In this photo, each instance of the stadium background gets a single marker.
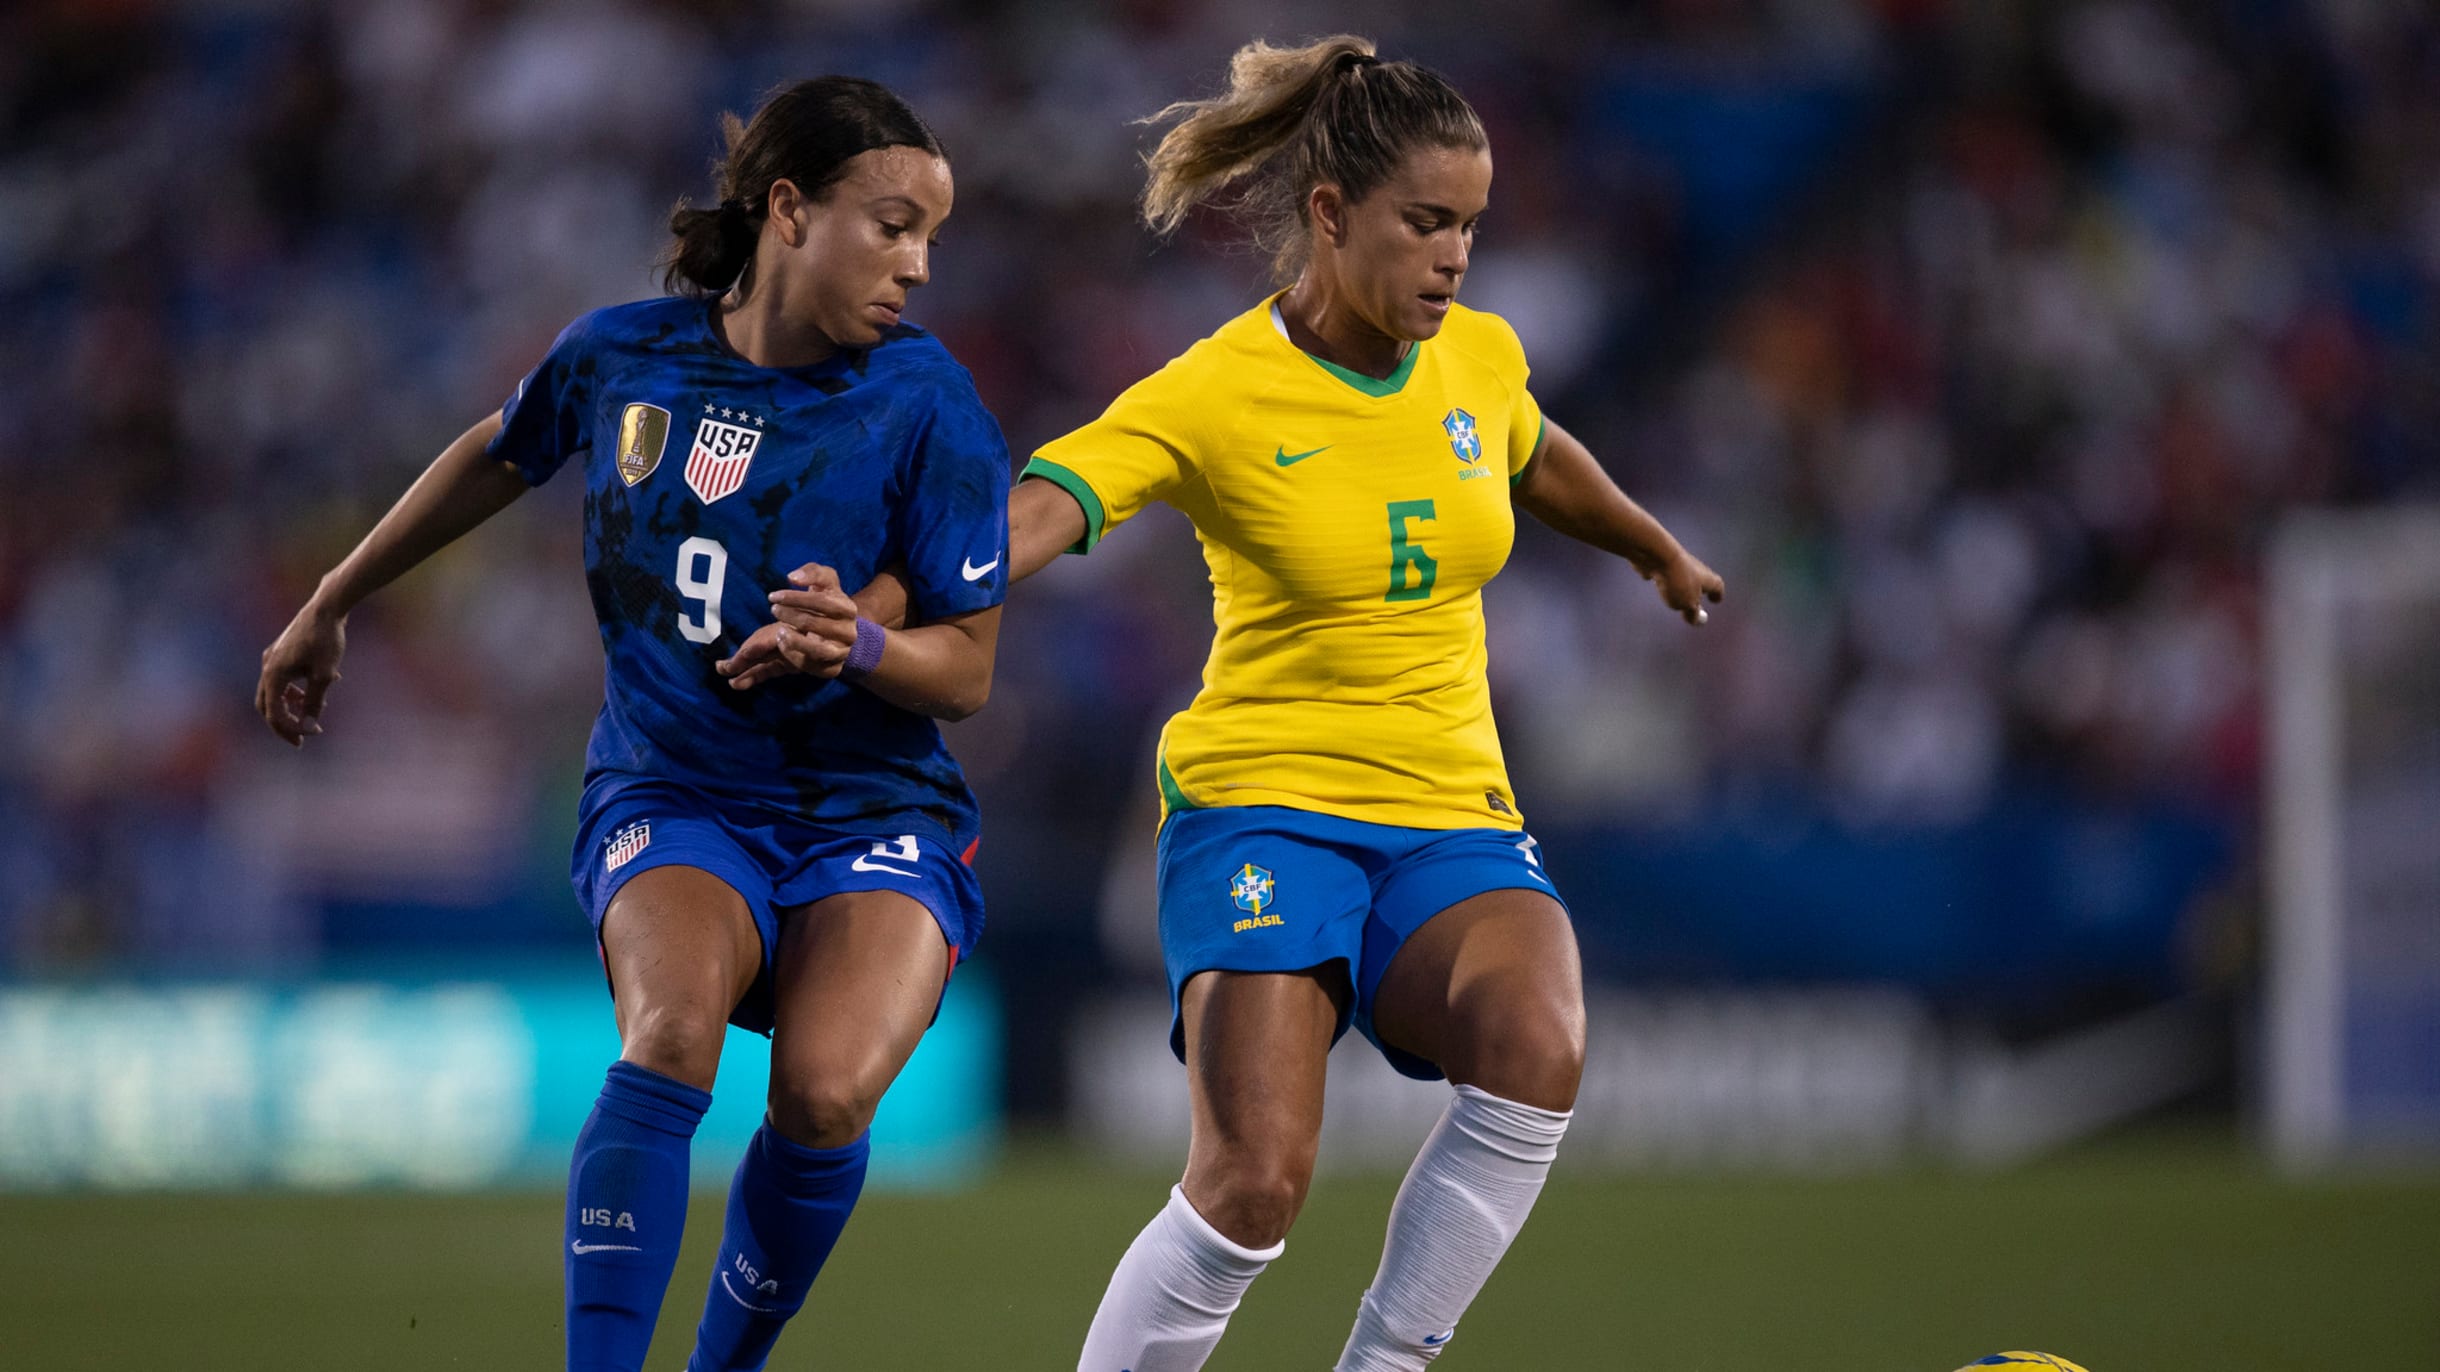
(1983, 347)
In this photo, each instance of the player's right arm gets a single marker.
(1043, 522)
(463, 487)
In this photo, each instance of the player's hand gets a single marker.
(756, 661)
(1685, 583)
(299, 668)
(814, 627)
(817, 621)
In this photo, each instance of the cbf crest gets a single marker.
(1463, 440)
(725, 440)
(1252, 889)
(643, 431)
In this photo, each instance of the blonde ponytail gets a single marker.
(1229, 137)
(1291, 119)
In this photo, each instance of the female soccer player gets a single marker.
(1338, 842)
(792, 860)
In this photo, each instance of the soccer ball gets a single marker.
(2034, 1361)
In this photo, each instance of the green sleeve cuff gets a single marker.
(1076, 486)
(1541, 430)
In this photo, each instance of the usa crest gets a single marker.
(643, 431)
(1463, 440)
(625, 844)
(724, 448)
(1252, 889)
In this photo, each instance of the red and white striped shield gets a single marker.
(723, 451)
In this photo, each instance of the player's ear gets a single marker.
(1327, 208)
(791, 212)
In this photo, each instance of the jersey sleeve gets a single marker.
(1142, 449)
(548, 420)
(1525, 422)
(952, 523)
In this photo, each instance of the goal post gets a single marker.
(2351, 811)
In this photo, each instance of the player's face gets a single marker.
(1405, 246)
(868, 243)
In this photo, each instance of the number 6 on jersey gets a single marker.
(703, 587)
(1404, 553)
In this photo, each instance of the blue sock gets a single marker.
(786, 1208)
(626, 1213)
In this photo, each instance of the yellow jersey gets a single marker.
(1350, 524)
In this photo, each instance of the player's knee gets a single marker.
(1252, 1199)
(823, 1109)
(1525, 1048)
(680, 1043)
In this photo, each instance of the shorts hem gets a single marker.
(964, 949)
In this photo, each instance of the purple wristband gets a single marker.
(866, 655)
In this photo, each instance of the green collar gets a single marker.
(1369, 385)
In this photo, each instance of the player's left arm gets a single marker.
(1043, 522)
(1565, 487)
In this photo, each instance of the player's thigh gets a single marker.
(1492, 991)
(681, 949)
(856, 980)
(1257, 1052)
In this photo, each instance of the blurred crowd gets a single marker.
(1979, 347)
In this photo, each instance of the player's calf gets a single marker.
(1462, 1204)
(787, 1206)
(626, 1212)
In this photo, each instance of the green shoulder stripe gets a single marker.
(1076, 486)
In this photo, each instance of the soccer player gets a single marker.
(794, 860)
(1339, 843)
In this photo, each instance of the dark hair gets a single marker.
(805, 132)
(1291, 119)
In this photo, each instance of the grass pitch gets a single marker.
(2135, 1258)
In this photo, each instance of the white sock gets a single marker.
(1461, 1206)
(1170, 1299)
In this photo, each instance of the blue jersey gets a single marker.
(707, 481)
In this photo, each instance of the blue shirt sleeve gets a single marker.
(952, 525)
(548, 420)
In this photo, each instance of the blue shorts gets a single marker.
(1263, 888)
(628, 824)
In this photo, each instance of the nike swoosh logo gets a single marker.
(758, 1309)
(868, 865)
(1435, 1340)
(1284, 458)
(580, 1247)
(973, 573)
